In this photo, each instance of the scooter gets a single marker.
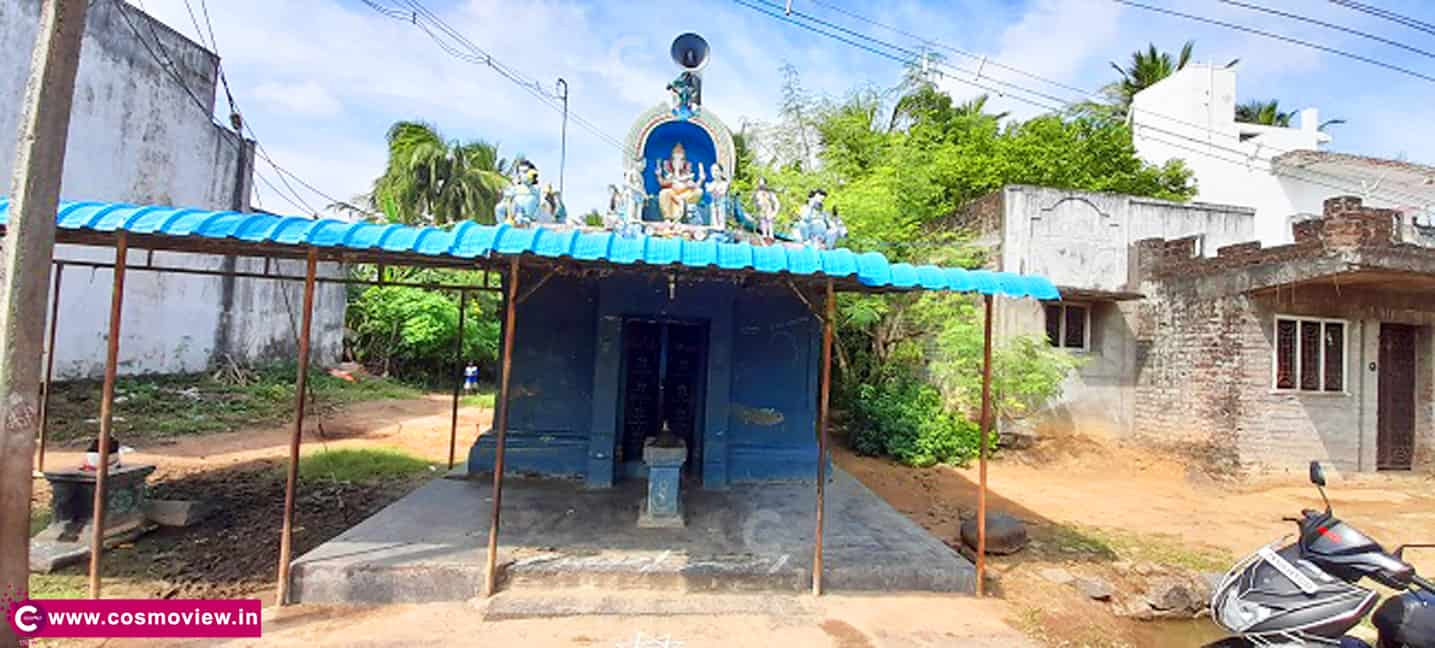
(1306, 593)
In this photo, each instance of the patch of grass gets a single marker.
(59, 586)
(361, 465)
(484, 397)
(156, 407)
(39, 519)
(1159, 548)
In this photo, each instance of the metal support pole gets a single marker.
(44, 122)
(458, 368)
(563, 137)
(301, 387)
(500, 427)
(48, 386)
(827, 324)
(982, 452)
(107, 414)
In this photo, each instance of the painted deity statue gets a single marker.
(686, 92)
(551, 209)
(522, 199)
(625, 205)
(720, 200)
(768, 207)
(681, 188)
(816, 227)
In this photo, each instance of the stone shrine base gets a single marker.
(431, 545)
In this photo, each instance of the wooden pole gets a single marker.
(48, 387)
(301, 386)
(500, 427)
(107, 414)
(458, 370)
(986, 429)
(34, 189)
(826, 387)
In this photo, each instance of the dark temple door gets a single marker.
(1395, 417)
(664, 367)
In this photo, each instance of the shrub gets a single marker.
(904, 418)
(410, 332)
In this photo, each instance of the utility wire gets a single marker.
(778, 12)
(1418, 25)
(466, 50)
(166, 62)
(1288, 39)
(1340, 28)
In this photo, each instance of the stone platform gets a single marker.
(431, 545)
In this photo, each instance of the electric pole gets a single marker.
(563, 136)
(29, 248)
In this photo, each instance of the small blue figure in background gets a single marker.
(470, 378)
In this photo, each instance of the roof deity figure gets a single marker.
(521, 200)
(768, 205)
(720, 200)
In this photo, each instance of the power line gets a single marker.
(1407, 21)
(421, 17)
(166, 62)
(1341, 28)
(1280, 37)
(781, 15)
(982, 59)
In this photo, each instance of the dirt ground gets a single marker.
(241, 473)
(1090, 504)
(1094, 504)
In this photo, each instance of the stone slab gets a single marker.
(176, 513)
(430, 545)
(48, 555)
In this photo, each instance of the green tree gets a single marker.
(432, 180)
(907, 362)
(1267, 113)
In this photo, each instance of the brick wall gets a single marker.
(1205, 339)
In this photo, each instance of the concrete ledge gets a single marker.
(431, 545)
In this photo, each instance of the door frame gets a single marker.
(693, 468)
(1390, 384)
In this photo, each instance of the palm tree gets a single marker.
(1147, 67)
(976, 107)
(1267, 113)
(433, 180)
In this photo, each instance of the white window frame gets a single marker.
(1061, 328)
(1276, 355)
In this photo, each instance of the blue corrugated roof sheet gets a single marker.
(470, 240)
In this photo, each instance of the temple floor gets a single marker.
(431, 545)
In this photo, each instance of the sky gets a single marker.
(320, 81)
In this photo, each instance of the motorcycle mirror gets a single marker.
(1317, 474)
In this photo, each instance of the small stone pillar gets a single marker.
(67, 538)
(663, 506)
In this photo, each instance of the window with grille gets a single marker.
(1068, 326)
(1309, 354)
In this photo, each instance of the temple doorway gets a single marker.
(664, 367)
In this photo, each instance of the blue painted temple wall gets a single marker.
(758, 416)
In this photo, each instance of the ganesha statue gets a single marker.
(681, 188)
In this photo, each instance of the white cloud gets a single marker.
(304, 98)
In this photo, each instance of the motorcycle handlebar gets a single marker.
(1422, 583)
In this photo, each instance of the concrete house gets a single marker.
(1196, 338)
(1082, 242)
